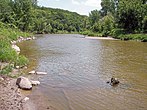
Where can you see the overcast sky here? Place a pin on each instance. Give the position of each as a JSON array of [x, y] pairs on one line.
[[80, 6]]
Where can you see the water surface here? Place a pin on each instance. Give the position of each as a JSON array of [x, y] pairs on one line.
[[78, 69]]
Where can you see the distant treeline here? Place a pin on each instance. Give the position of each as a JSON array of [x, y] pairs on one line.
[[116, 18], [26, 15]]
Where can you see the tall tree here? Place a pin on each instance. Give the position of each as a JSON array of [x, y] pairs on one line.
[[108, 6], [130, 14], [94, 17]]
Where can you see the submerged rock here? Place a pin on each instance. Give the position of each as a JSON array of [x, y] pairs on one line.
[[24, 83]]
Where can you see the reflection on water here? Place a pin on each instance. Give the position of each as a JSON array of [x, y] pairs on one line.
[[78, 69]]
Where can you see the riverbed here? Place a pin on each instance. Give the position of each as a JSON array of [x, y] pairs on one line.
[[78, 69]]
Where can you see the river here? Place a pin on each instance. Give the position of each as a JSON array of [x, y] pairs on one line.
[[78, 69]]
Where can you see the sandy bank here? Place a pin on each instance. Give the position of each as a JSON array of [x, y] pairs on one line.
[[105, 38]]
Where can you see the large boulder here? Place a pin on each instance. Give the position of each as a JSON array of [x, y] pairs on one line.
[[24, 83]]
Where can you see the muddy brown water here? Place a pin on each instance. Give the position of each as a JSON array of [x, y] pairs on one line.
[[78, 69]]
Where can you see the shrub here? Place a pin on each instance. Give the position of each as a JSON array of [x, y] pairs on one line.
[[140, 37], [117, 32]]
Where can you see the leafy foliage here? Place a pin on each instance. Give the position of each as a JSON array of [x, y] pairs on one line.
[[119, 17], [27, 16]]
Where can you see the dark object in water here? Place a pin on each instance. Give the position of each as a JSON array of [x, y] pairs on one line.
[[113, 82], [108, 82]]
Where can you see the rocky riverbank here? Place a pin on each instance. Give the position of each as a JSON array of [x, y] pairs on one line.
[[10, 95]]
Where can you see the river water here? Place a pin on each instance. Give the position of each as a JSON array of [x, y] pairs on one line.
[[78, 69]]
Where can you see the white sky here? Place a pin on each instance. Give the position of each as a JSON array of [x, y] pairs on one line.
[[80, 6]]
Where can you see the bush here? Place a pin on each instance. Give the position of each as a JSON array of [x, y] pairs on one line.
[[7, 54], [140, 37], [117, 32]]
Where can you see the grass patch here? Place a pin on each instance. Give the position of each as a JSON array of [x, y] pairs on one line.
[[6, 70]]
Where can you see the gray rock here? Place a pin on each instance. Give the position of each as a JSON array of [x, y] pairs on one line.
[[24, 83]]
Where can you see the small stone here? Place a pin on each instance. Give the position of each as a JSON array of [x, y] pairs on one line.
[[29, 38], [1, 79], [25, 99], [32, 72], [25, 67], [17, 67], [41, 73], [33, 38]]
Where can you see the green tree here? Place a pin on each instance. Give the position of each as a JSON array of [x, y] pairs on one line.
[[130, 15], [94, 17], [24, 13], [108, 6], [107, 24]]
